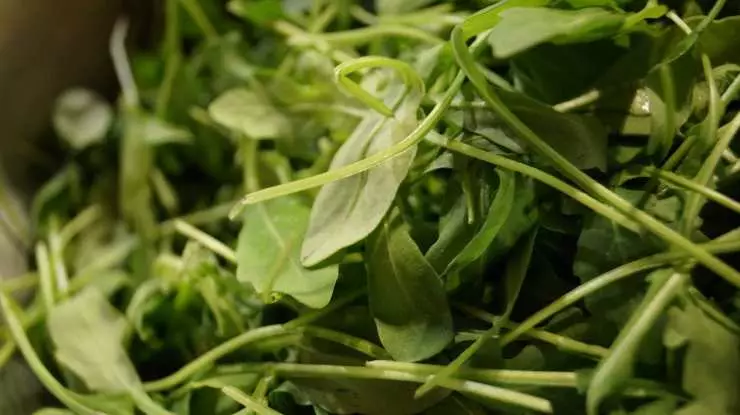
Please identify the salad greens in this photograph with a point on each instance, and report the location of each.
(395, 207)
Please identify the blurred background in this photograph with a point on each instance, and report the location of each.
(46, 46)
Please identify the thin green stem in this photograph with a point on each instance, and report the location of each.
(580, 101)
(46, 277)
(367, 34)
(363, 165)
(56, 258)
(709, 128)
(491, 376)
(705, 191)
(200, 18)
(361, 345)
(512, 397)
(561, 342)
(610, 277)
(206, 240)
(410, 78)
(19, 283)
(173, 58)
(731, 92)
(202, 217)
(121, 64)
(626, 344)
(82, 220)
(207, 360)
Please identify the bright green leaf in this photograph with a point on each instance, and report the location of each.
(268, 253)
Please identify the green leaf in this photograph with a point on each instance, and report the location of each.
(407, 298)
(716, 41)
(711, 361)
(88, 335)
(522, 28)
(249, 113)
(580, 139)
(268, 253)
(348, 210)
(556, 73)
(82, 118)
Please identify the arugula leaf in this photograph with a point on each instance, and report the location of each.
(407, 299)
(346, 211)
(88, 334)
(580, 139)
(268, 253)
(82, 118)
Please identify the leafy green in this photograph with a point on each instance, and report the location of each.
(268, 253)
(346, 211)
(406, 296)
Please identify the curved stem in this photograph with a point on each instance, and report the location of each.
(410, 77)
(365, 164)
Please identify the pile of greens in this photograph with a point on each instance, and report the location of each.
(398, 207)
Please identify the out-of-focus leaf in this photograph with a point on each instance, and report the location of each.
(249, 113)
(82, 117)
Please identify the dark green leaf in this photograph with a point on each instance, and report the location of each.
(82, 118)
(406, 296)
(249, 113)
